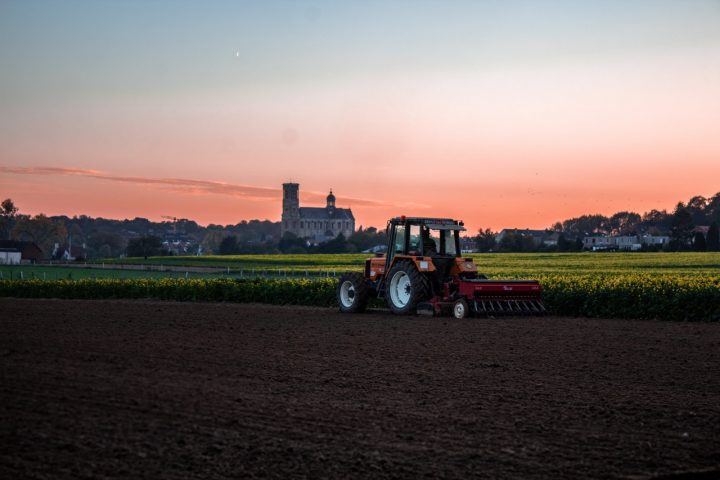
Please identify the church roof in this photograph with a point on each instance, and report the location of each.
(322, 213)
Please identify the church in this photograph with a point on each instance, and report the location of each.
(316, 224)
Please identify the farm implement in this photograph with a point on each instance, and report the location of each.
(424, 272)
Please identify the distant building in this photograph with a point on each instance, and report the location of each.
(29, 251)
(627, 242)
(467, 245)
(10, 256)
(655, 240)
(316, 224)
(539, 237)
(69, 252)
(624, 242)
(602, 242)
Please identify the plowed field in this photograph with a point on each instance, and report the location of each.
(110, 389)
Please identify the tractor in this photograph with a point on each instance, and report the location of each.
(424, 272)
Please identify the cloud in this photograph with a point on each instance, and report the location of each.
(191, 187)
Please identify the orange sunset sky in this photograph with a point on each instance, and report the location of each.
(503, 114)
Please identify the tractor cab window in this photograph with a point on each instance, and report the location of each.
(399, 246)
(430, 241)
(415, 243)
(449, 242)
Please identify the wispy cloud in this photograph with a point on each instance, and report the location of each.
(191, 187)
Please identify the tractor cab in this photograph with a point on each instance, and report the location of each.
(425, 237)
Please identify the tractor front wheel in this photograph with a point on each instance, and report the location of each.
(405, 288)
(352, 293)
(460, 309)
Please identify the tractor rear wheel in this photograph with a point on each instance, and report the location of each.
(352, 293)
(405, 288)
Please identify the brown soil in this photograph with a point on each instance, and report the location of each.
(100, 389)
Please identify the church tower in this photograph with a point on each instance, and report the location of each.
(291, 208)
(330, 204)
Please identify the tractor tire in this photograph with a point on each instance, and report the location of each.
(460, 309)
(405, 288)
(352, 293)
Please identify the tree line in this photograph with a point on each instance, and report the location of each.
(139, 237)
(106, 238)
(685, 226)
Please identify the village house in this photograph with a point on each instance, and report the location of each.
(622, 242)
(658, 240)
(594, 243)
(29, 251)
(10, 256)
(69, 252)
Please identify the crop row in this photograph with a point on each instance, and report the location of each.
(670, 297)
(489, 263)
(276, 292)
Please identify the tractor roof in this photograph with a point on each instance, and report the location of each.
(430, 222)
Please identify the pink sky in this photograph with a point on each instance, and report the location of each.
(511, 128)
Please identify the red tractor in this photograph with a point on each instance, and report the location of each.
(424, 272)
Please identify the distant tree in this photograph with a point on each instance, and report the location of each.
(7, 207)
(656, 222)
(229, 246)
(713, 208)
(336, 245)
(213, 236)
(563, 245)
(699, 244)
(508, 242)
(713, 238)
(75, 233)
(696, 208)
(105, 244)
(681, 228)
(290, 241)
(42, 230)
(105, 251)
(585, 225)
(623, 223)
(485, 240)
(146, 246)
(517, 242)
(187, 227)
(140, 225)
(8, 210)
(528, 244)
(365, 239)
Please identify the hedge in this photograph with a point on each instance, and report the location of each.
(669, 297)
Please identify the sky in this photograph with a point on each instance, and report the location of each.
(505, 114)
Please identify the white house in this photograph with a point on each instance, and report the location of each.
(654, 240)
(627, 242)
(598, 243)
(10, 256)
